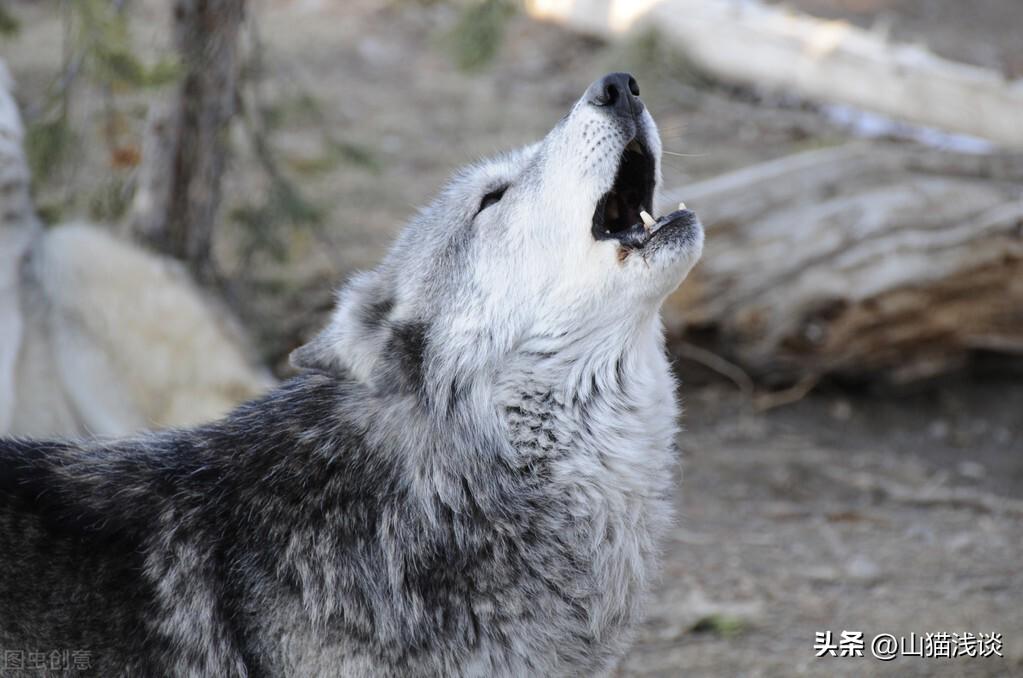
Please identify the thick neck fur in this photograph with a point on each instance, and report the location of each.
(563, 437)
(594, 401)
(593, 412)
(597, 395)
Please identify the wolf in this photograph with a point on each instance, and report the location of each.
(469, 476)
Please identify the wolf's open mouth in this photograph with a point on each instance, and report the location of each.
(617, 215)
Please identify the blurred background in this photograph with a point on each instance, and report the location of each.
(849, 348)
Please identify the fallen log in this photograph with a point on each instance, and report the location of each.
(832, 61)
(861, 260)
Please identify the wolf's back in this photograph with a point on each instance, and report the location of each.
(69, 582)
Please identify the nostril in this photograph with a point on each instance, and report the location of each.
(610, 94)
(633, 86)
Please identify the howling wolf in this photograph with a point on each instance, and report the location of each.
(469, 476)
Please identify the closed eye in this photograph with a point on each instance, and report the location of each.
(492, 198)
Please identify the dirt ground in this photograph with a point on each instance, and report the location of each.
(849, 510)
(873, 514)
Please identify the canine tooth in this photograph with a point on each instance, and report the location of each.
(648, 220)
(681, 205)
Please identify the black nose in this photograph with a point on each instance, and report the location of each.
(617, 91)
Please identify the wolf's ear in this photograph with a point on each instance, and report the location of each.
(319, 355)
(350, 345)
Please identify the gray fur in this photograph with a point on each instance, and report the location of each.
(469, 477)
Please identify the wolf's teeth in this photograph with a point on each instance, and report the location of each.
(648, 220)
(681, 205)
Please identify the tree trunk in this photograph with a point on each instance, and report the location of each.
(180, 187)
(862, 261)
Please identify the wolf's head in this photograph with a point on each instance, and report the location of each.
(541, 249)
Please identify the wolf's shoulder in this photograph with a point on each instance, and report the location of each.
(25, 466)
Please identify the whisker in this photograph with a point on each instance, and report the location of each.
(685, 155)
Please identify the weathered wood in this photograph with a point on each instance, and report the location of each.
(774, 47)
(859, 260)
